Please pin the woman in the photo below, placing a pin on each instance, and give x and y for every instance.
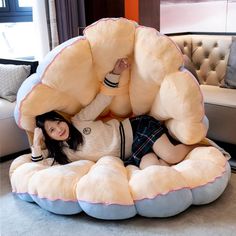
(140, 140)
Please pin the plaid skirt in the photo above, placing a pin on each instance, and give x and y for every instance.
(146, 130)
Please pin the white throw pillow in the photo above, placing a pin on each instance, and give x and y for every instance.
(11, 78)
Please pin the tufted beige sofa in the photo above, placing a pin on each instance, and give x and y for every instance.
(209, 55)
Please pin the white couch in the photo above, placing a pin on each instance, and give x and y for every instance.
(12, 138)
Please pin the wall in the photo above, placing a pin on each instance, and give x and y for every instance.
(197, 16)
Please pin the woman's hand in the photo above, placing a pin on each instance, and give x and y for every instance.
(38, 137)
(121, 65)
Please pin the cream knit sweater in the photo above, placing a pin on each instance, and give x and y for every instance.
(100, 138)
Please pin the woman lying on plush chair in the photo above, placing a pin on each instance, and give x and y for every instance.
(140, 141)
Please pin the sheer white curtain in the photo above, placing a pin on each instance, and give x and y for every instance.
(45, 23)
(41, 29)
(52, 24)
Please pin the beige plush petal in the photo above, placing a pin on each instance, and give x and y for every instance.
(22, 175)
(199, 172)
(59, 182)
(211, 154)
(105, 183)
(132, 170)
(110, 40)
(120, 105)
(155, 56)
(155, 180)
(52, 99)
(180, 102)
(18, 162)
(186, 131)
(72, 72)
(142, 92)
(179, 98)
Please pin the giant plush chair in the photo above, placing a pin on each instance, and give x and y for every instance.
(156, 83)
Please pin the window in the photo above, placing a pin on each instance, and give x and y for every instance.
(16, 29)
(15, 10)
(2, 3)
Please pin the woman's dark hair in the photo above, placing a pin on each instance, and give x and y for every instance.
(55, 147)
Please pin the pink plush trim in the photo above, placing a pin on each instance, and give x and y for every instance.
(105, 203)
(52, 200)
(77, 200)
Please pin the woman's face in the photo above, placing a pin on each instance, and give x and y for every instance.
(57, 130)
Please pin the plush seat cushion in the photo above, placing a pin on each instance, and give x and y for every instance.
(70, 77)
(219, 96)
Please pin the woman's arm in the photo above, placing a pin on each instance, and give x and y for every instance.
(36, 151)
(102, 101)
(99, 103)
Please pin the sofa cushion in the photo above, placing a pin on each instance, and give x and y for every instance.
(11, 78)
(7, 109)
(220, 109)
(230, 78)
(219, 96)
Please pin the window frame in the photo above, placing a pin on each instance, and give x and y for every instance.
(6, 8)
(14, 13)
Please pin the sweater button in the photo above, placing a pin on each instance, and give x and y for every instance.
(87, 130)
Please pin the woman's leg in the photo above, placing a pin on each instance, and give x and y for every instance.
(170, 153)
(151, 159)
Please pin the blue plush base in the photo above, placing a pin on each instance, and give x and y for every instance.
(211, 191)
(24, 196)
(58, 206)
(165, 205)
(108, 212)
